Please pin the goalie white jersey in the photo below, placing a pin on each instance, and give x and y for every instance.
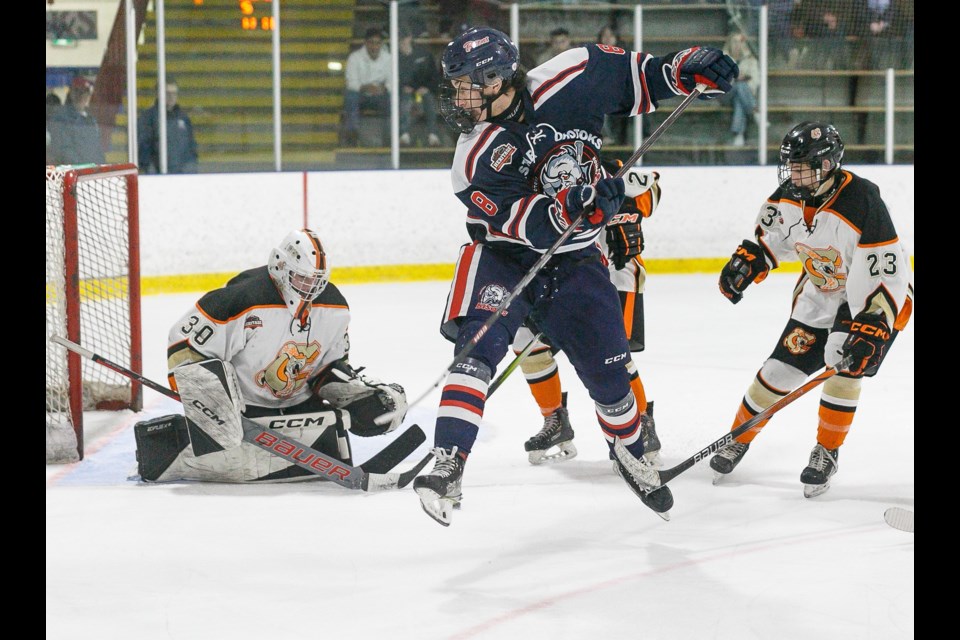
(276, 356)
(849, 251)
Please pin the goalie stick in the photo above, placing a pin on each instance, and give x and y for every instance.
(372, 475)
(539, 264)
(899, 518)
(653, 478)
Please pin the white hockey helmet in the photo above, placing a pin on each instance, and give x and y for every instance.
(298, 267)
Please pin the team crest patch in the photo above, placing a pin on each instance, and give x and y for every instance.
(502, 156)
(799, 341)
(252, 322)
(824, 266)
(490, 297)
(473, 44)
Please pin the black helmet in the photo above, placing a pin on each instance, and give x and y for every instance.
(809, 144)
(484, 55)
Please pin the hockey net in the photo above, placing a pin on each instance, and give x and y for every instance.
(92, 297)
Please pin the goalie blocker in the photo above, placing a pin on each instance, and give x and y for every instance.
(205, 444)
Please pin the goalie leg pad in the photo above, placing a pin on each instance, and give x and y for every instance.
(159, 443)
(212, 404)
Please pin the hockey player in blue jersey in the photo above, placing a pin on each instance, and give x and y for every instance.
(527, 165)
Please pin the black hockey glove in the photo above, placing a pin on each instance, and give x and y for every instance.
(706, 65)
(624, 241)
(601, 202)
(866, 344)
(745, 266)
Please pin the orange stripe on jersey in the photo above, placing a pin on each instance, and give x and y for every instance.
(879, 244)
(904, 316)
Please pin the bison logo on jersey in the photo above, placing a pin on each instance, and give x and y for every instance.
(490, 297)
(824, 266)
(565, 167)
(289, 370)
(799, 341)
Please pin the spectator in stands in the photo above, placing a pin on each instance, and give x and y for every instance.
(743, 96)
(53, 105)
(368, 84)
(182, 154)
(74, 133)
(614, 127)
(419, 78)
(559, 42)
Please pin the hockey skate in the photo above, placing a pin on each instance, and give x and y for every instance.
(816, 477)
(554, 442)
(643, 480)
(727, 459)
(439, 490)
(648, 433)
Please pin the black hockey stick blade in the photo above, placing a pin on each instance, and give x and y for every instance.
(396, 452)
(384, 481)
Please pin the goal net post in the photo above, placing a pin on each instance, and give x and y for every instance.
(92, 298)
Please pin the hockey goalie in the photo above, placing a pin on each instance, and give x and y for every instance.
(271, 346)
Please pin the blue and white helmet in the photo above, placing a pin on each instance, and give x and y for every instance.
(484, 55)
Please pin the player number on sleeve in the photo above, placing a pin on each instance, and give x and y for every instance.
(771, 214)
(486, 204)
(200, 334)
(885, 263)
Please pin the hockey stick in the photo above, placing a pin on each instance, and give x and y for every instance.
(289, 449)
(654, 478)
(899, 518)
(513, 365)
(539, 264)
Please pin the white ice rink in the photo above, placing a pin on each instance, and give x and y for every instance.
(559, 552)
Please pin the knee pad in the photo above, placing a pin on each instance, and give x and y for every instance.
(535, 363)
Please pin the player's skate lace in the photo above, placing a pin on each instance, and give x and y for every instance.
(439, 490)
(816, 476)
(556, 432)
(725, 460)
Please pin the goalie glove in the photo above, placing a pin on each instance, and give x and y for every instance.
(364, 398)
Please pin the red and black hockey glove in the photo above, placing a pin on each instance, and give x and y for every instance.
(866, 343)
(745, 266)
(601, 201)
(703, 65)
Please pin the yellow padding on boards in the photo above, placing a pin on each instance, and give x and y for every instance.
(151, 285)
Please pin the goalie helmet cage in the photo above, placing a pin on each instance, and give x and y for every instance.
(92, 297)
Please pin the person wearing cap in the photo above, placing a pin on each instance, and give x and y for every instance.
(182, 156)
(74, 133)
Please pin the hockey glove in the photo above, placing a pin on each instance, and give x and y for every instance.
(702, 65)
(624, 241)
(866, 343)
(745, 266)
(600, 201)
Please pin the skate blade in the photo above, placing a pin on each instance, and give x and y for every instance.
(564, 451)
(814, 490)
(718, 477)
(437, 507)
(665, 515)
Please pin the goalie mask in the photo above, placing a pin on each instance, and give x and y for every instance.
(298, 268)
(810, 155)
(479, 57)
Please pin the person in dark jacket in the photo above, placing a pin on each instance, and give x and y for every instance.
(181, 144)
(74, 133)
